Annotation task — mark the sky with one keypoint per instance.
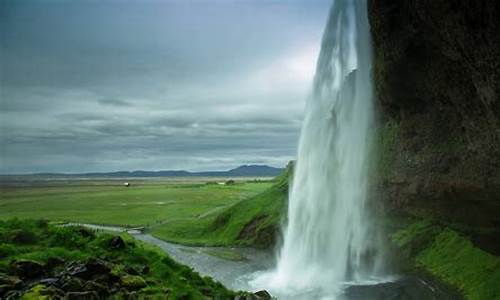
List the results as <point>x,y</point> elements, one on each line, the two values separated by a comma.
<point>95,86</point>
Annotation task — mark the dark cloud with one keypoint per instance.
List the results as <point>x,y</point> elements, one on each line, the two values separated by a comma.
<point>113,102</point>
<point>121,85</point>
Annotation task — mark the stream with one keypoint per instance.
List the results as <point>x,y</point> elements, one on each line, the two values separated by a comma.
<point>237,267</point>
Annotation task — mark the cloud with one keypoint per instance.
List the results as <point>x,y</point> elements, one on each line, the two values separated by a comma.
<point>198,85</point>
<point>113,102</point>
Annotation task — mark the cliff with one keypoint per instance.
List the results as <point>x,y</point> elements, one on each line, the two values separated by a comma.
<point>437,80</point>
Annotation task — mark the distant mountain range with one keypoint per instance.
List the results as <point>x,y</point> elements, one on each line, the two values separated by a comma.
<point>241,171</point>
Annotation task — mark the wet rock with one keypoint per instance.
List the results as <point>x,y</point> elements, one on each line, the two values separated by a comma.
<point>132,283</point>
<point>55,261</point>
<point>116,243</point>
<point>50,281</point>
<point>95,286</point>
<point>12,282</point>
<point>27,268</point>
<point>11,295</point>
<point>72,284</point>
<point>263,295</point>
<point>145,270</point>
<point>88,295</point>
<point>78,270</point>
<point>408,288</point>
<point>131,271</point>
<point>96,266</point>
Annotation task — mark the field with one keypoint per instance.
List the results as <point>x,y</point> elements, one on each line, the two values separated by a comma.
<point>148,202</point>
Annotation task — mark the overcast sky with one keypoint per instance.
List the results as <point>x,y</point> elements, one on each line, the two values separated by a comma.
<point>151,85</point>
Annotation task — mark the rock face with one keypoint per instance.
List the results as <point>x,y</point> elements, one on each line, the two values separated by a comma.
<point>437,78</point>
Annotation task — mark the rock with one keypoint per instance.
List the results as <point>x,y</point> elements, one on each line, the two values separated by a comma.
<point>97,266</point>
<point>27,268</point>
<point>72,284</point>
<point>41,291</point>
<point>131,271</point>
<point>10,281</point>
<point>54,261</point>
<point>89,295</point>
<point>132,283</point>
<point>98,287</point>
<point>263,295</point>
<point>145,270</point>
<point>78,270</point>
<point>11,295</point>
<point>50,281</point>
<point>116,243</point>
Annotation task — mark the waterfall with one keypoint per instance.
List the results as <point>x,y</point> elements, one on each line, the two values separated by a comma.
<point>329,239</point>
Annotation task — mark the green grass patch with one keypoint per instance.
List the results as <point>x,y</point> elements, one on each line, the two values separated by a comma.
<point>253,221</point>
<point>138,205</point>
<point>452,258</point>
<point>75,244</point>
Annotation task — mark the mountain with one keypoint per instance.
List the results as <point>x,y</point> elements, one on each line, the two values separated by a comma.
<point>241,171</point>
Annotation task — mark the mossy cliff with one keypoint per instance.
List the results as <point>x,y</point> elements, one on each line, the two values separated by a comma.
<point>437,80</point>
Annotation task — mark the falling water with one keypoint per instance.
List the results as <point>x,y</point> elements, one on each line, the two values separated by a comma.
<point>329,238</point>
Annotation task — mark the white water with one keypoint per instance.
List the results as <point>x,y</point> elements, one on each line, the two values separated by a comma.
<point>330,240</point>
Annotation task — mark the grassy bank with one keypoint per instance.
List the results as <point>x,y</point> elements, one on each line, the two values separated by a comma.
<point>450,257</point>
<point>41,261</point>
<point>253,221</point>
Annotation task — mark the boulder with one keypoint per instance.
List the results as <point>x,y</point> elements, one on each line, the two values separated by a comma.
<point>116,243</point>
<point>263,294</point>
<point>54,261</point>
<point>12,282</point>
<point>97,266</point>
<point>76,269</point>
<point>98,287</point>
<point>88,295</point>
<point>72,284</point>
<point>27,268</point>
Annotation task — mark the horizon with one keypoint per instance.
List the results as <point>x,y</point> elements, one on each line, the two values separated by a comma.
<point>142,170</point>
<point>88,86</point>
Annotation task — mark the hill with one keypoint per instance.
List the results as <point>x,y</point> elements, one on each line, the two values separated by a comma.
<point>241,171</point>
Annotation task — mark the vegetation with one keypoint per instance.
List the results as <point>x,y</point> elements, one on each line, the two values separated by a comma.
<point>452,258</point>
<point>34,252</point>
<point>250,222</point>
<point>138,205</point>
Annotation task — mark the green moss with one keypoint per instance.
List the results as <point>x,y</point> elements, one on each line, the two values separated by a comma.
<point>38,292</point>
<point>411,233</point>
<point>452,258</point>
<point>133,282</point>
<point>164,273</point>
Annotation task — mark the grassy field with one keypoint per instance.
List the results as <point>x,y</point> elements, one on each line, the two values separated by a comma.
<point>147,202</point>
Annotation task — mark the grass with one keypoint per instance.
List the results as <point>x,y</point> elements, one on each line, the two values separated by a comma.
<point>452,258</point>
<point>139,205</point>
<point>38,241</point>
<point>250,222</point>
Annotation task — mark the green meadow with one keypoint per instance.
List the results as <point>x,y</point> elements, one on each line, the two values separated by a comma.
<point>145,203</point>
